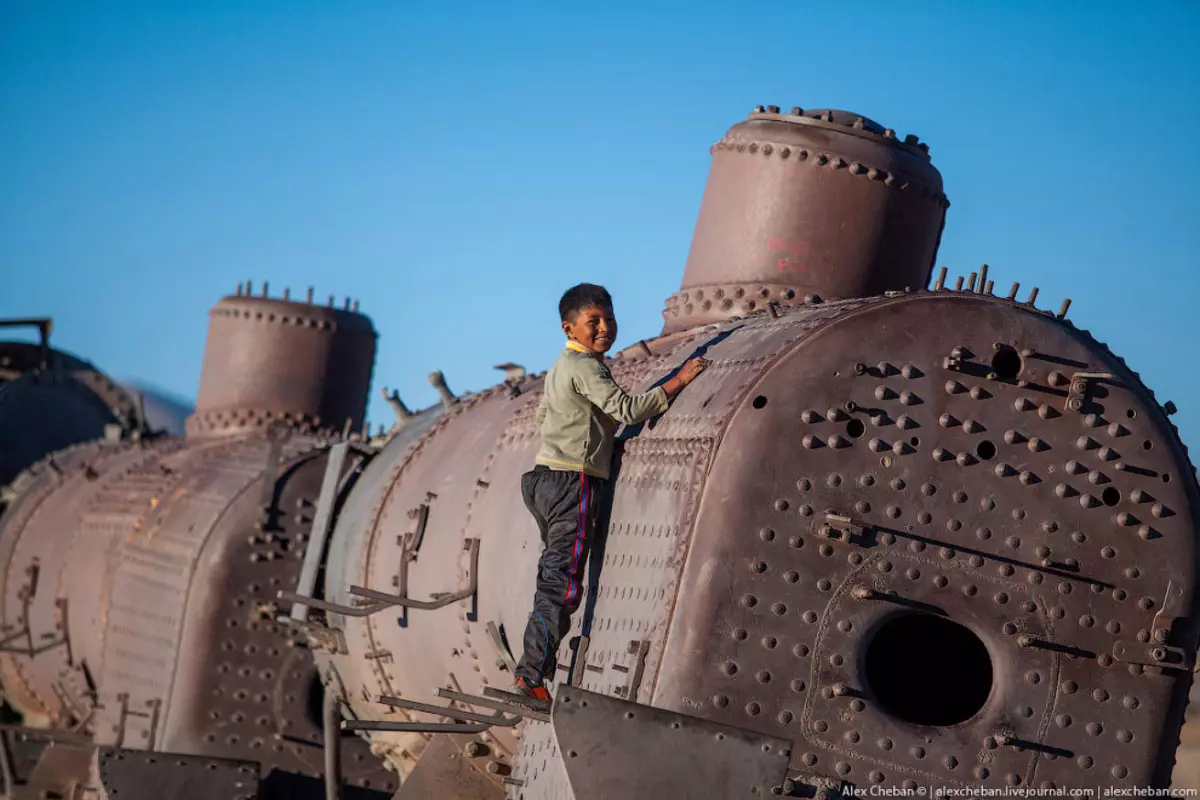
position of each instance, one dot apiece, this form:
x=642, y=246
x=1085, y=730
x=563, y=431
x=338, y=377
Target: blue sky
x=456, y=166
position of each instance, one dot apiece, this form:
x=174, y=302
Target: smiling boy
x=580, y=409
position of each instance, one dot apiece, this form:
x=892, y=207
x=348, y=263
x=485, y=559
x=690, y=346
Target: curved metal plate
x=606, y=745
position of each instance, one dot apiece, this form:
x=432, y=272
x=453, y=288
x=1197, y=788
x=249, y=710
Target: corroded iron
x=137, y=607
x=807, y=205
x=758, y=583
x=272, y=359
x=50, y=400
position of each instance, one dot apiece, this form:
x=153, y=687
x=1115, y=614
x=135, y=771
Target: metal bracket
x=639, y=649
x=504, y=658
x=319, y=532
x=579, y=663
x=1158, y=652
x=29, y=648
x=840, y=528
x=382, y=600
x=604, y=742
x=510, y=709
x=44, y=325
x=1078, y=389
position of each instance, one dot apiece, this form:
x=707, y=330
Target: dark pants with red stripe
x=565, y=505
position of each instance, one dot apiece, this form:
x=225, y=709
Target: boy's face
x=594, y=327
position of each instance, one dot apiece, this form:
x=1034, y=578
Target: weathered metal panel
x=51, y=400
x=808, y=203
x=269, y=360
x=1052, y=534
x=445, y=771
x=615, y=748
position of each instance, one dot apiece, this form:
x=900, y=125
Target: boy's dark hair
x=580, y=297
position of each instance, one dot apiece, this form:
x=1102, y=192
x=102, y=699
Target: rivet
x=954, y=387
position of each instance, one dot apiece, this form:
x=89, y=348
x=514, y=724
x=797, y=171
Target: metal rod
x=412, y=727
x=971, y=282
x=428, y=605
x=497, y=719
x=941, y=281
x=1012, y=293
x=983, y=270
x=1032, y=296
x=1062, y=312
x=988, y=289
x=498, y=705
x=333, y=746
x=958, y=284
x=337, y=608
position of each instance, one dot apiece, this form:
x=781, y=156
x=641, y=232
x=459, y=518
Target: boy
x=581, y=406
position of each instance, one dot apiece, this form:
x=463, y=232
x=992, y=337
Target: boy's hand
x=691, y=369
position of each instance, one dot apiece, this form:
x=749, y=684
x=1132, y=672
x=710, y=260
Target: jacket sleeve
x=593, y=380
x=541, y=412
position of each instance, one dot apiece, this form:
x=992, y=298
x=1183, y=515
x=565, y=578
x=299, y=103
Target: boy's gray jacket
x=581, y=406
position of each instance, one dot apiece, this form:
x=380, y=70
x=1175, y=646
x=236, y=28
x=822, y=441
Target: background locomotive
x=891, y=536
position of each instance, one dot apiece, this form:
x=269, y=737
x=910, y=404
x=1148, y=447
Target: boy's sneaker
x=538, y=692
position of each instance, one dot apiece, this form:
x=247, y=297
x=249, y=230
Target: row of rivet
x=859, y=123
x=834, y=162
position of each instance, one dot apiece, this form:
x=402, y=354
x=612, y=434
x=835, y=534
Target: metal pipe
x=333, y=746
x=941, y=281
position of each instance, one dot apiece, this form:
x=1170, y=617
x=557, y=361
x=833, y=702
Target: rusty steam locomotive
x=894, y=536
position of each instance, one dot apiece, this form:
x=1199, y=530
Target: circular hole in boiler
x=759, y=401
x=1006, y=363
x=855, y=428
x=985, y=450
x=928, y=670
x=1147, y=445
x=1111, y=496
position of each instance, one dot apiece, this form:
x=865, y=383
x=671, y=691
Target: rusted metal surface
x=67, y=767
x=445, y=770
x=132, y=775
x=139, y=578
x=173, y=646
x=824, y=203
x=687, y=614
x=51, y=400
x=614, y=748
x=274, y=359
x=977, y=530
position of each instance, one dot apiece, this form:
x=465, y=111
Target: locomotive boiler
x=138, y=576
x=891, y=537
x=894, y=536
x=50, y=400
